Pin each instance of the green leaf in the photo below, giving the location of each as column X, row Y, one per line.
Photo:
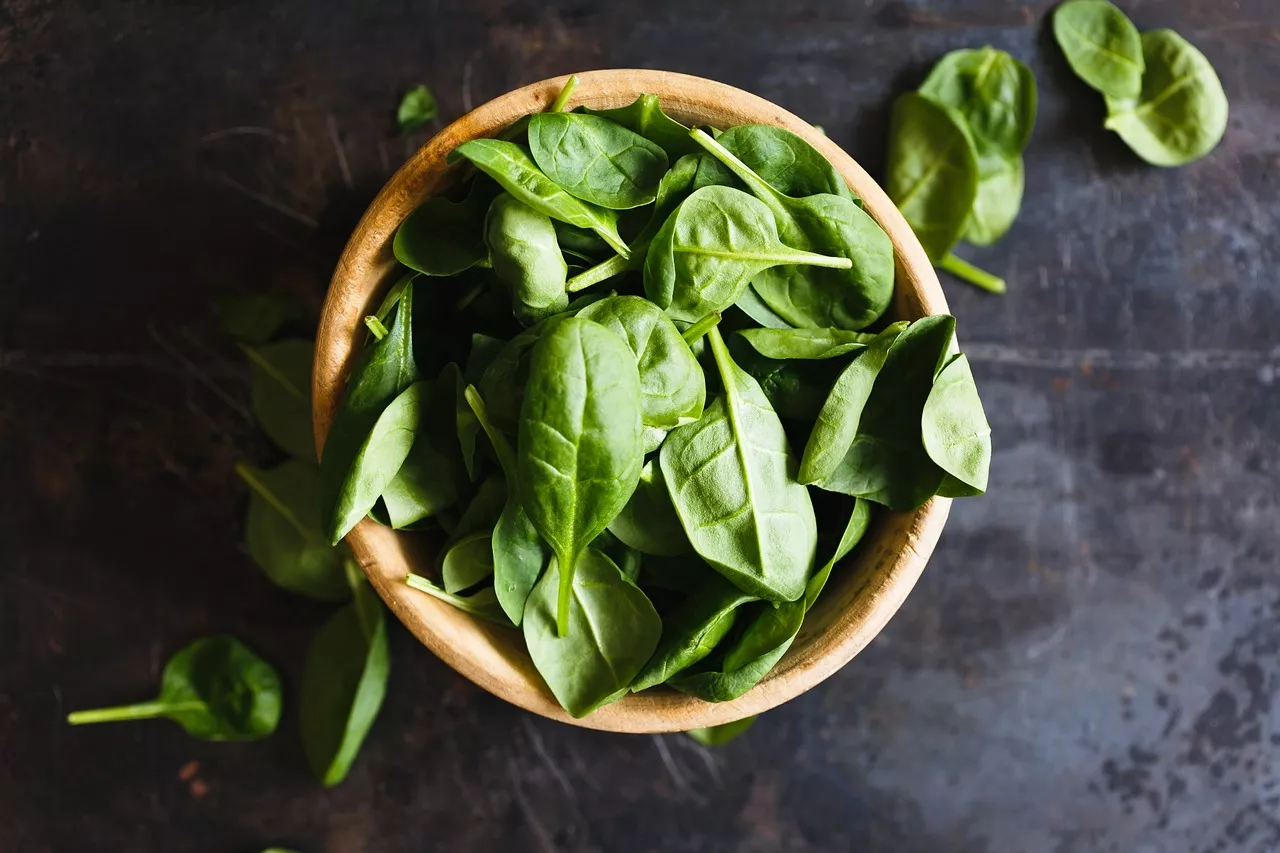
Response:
column 1102, row 46
column 731, row 476
column 417, row 107
column 644, row 115
column 256, row 318
column 805, row 343
column 468, row 562
column 282, row 531
column 343, row 685
column 513, row 168
column 597, row 160
column 954, row 427
column 363, row 452
column 483, row 604
column 715, row 243
column 672, row 385
column 579, row 453
column 720, row 735
column 525, row 255
column 784, row 160
column 998, row 201
column 933, row 171
column 692, row 631
column 612, row 630
column 216, row 689
column 1181, row 113
column 280, row 394
column 648, row 523
column 444, row 237
column 994, row 94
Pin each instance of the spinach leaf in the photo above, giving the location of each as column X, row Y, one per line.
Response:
column 467, row 562
column 999, row 198
column 443, row 237
column 280, row 394
column 255, row 318
column 717, row 240
column 644, row 115
column 512, row 167
column 1102, row 46
column 887, row 462
column 720, row 735
column 349, row 479
column 483, row 604
column 343, row 685
column 993, row 93
column 672, row 385
column 580, row 241
column 1181, row 114
column 502, row 384
column 282, row 531
column 597, row 160
column 954, row 427
column 433, row 476
column 731, row 476
column 483, row 511
column 754, row 307
column 611, row 630
column 578, row 453
column 784, row 160
column 648, row 523
column 854, row 530
column 933, row 171
column 849, row 296
column 837, row 422
column 518, row 553
column 417, row 107
column 216, row 689
column 796, row 389
column 805, row 343
column 692, row 631
column 525, row 255
column 484, row 349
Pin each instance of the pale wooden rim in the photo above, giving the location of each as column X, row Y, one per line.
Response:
column 863, row 594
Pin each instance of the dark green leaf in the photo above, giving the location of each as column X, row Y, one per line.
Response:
column 597, row 160
column 644, row 115
column 444, row 237
column 784, row 160
column 813, row 344
column 992, row 92
column 256, row 318
column 417, row 107
column 692, row 631
column 954, row 427
column 525, row 255
column 648, row 523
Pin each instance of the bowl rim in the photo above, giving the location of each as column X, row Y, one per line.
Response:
column 881, row 580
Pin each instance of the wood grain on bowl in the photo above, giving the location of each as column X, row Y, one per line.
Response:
column 863, row 593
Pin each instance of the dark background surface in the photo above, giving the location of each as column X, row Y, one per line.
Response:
column 1089, row 663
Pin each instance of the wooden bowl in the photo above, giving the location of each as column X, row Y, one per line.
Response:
column 863, row 593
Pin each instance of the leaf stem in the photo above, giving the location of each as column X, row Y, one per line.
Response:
column 966, row 271
column 502, row 447
column 251, row 479
column 564, row 597
column 139, row 711
column 600, row 272
column 562, row 99
column 470, row 295
column 376, row 328
column 700, row 328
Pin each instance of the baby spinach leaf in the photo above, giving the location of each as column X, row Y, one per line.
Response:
column 648, row 523
column 417, row 107
column 692, row 631
column 720, row 735
column 512, row 167
column 433, row 475
column 518, row 552
column 1102, row 46
column 993, row 93
column 611, row 630
column 1181, row 114
column 716, row 242
column 754, row 307
column 848, row 296
column 837, row 422
column 467, row 562
column 581, row 241
column 444, row 237
column 579, row 453
column 504, row 379
column 597, row 160
column 282, row 531
column 280, row 394
column 784, row 160
column 854, row 530
column 999, row 198
column 672, row 385
column 524, row 253
column 805, row 343
column 796, row 389
column 731, row 479
column 386, row 370
column 887, row 462
column 343, row 685
column 216, row 689
column 933, row 171
column 483, row 510
column 483, row 604
column 954, row 427
column 644, row 115
column 255, row 318
column 484, row 349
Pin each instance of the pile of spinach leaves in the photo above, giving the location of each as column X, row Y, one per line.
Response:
column 639, row 383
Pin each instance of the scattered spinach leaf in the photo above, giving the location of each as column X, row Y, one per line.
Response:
column 417, row 107
column 1102, row 46
column 722, row 734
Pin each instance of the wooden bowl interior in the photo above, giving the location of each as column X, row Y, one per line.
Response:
column 864, row 592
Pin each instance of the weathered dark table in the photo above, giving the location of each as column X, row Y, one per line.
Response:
column 1089, row 664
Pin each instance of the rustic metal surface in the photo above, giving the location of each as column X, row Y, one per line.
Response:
column 1089, row 663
